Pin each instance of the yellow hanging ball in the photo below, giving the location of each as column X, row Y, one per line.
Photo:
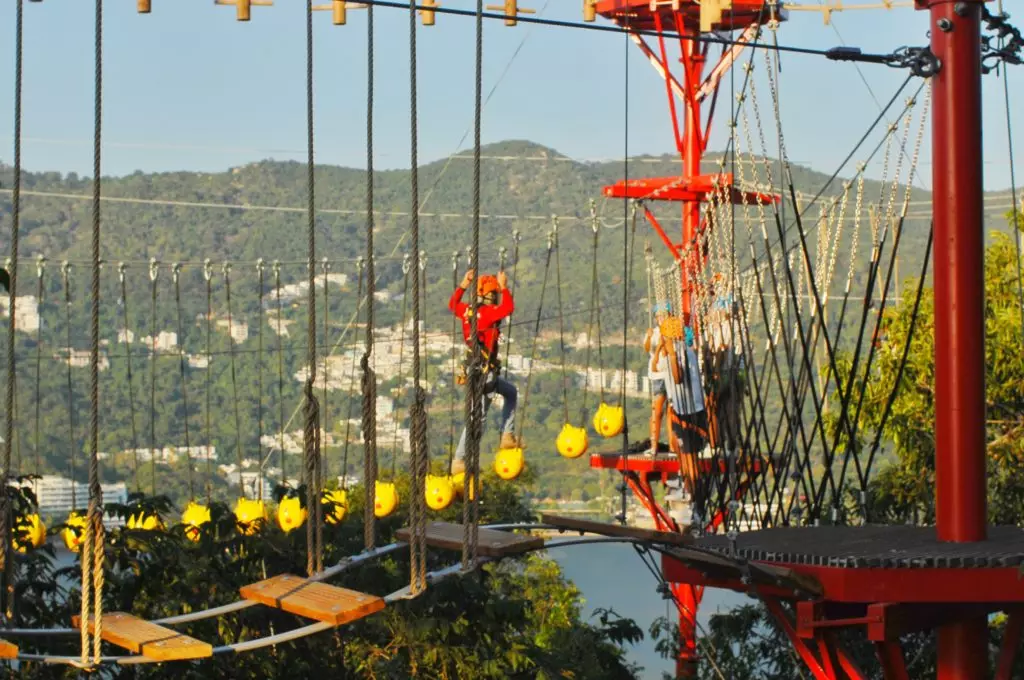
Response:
column 440, row 492
column 290, row 513
column 459, row 482
column 336, row 512
column 385, row 499
column 509, row 463
column 195, row 516
column 145, row 521
column 572, row 441
column 250, row 516
column 30, row 532
column 74, row 532
column 608, row 420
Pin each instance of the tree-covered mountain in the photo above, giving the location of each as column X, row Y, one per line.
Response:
column 259, row 211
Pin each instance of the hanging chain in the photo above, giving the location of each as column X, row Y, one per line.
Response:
column 182, row 361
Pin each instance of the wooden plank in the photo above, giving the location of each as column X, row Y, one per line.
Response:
column 8, row 650
column 312, row 599
column 490, row 542
column 608, row 529
column 152, row 641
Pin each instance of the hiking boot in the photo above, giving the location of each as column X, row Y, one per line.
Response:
column 508, row 441
column 458, row 466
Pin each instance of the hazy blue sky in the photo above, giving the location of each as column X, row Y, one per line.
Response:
column 188, row 87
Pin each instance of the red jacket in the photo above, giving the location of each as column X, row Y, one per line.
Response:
column 489, row 316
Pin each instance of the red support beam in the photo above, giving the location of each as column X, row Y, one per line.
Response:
column 890, row 657
column 957, row 189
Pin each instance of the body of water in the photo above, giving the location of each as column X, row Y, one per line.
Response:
column 611, row 576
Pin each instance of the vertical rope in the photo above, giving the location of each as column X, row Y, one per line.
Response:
column 65, row 273
column 312, row 429
column 625, row 274
column 280, row 371
column 153, row 273
column 561, row 320
column 41, row 291
column 208, row 275
column 470, row 509
column 259, row 378
column 369, row 376
column 5, row 506
column 92, row 565
column 131, row 385
column 175, row 274
column 226, row 270
column 351, row 388
column 516, row 237
column 418, row 546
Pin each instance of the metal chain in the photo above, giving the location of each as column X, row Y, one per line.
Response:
column 65, row 271
column 226, row 271
column 280, row 370
column 208, row 276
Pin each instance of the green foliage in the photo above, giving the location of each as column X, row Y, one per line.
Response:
column 516, row 618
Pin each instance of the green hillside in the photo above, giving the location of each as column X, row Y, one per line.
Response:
column 257, row 211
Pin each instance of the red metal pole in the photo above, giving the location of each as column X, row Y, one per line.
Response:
column 960, row 490
column 693, row 150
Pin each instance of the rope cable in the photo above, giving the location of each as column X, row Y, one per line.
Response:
column 561, row 321
column 259, row 376
column 153, row 273
column 369, row 376
column 351, row 391
column 419, row 463
column 128, row 363
column 182, row 361
column 474, row 407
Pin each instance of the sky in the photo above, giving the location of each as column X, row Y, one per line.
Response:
column 189, row 88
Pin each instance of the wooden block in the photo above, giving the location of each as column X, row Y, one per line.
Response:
column 313, row 599
column 608, row 529
column 8, row 650
column 490, row 542
column 152, row 641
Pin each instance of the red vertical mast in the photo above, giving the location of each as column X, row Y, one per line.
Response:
column 960, row 490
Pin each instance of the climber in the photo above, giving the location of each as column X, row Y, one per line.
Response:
column 657, row 373
column 494, row 303
column 725, row 367
column 686, row 394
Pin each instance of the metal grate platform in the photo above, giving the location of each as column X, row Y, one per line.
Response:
column 886, row 547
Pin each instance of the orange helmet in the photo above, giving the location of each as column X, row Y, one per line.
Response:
column 486, row 284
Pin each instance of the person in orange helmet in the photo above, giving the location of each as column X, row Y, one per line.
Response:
column 494, row 303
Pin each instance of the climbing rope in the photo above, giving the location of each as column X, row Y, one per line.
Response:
column 536, row 335
column 454, row 354
column 182, row 362
column 280, row 371
column 6, row 520
column 153, row 273
column 40, row 292
column 474, row 391
column 311, row 439
column 65, row 273
column 325, row 417
column 351, row 389
column 369, row 375
column 128, row 362
column 561, row 320
column 595, row 301
column 92, row 550
column 208, row 277
column 259, row 378
column 226, row 271
column 418, row 425
column 396, row 443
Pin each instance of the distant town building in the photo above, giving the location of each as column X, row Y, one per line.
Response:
column 57, row 497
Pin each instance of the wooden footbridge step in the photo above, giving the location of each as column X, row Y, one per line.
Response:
column 152, row 641
column 490, row 542
column 608, row 529
column 312, row 599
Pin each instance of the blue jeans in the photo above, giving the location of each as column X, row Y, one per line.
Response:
column 508, row 411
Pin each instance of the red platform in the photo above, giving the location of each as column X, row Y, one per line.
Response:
column 642, row 14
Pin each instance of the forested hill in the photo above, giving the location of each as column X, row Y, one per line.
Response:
column 257, row 210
